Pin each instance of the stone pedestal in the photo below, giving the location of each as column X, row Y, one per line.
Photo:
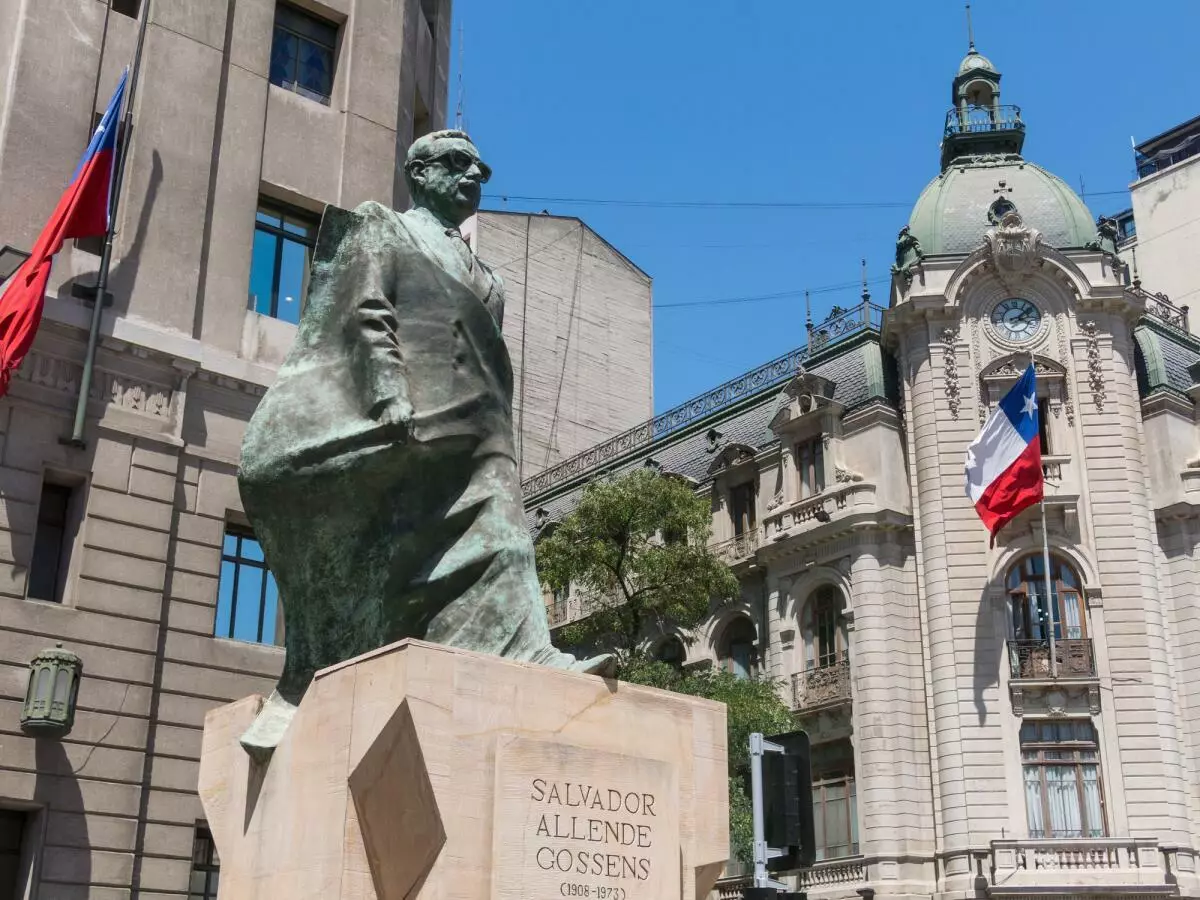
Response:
column 424, row 772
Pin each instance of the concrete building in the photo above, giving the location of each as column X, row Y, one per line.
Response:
column 578, row 323
column 1162, row 229
column 251, row 115
column 972, row 737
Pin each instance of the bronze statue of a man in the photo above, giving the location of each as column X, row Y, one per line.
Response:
column 379, row 470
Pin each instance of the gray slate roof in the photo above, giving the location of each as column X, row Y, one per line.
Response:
column 854, row 366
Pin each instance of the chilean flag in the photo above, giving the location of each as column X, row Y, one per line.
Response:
column 1004, row 464
column 83, row 211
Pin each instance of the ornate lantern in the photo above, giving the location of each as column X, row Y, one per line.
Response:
column 49, row 709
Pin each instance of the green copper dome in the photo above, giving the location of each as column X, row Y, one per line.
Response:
column 951, row 215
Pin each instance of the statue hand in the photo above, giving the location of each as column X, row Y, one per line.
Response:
column 395, row 413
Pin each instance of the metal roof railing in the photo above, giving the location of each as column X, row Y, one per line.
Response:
column 840, row 324
column 983, row 119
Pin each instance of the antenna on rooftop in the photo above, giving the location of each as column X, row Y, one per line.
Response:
column 970, row 31
column 458, row 109
column 866, row 293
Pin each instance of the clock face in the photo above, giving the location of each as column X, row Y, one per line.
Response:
column 1017, row 320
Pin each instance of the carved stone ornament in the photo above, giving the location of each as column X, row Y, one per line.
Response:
column 950, row 363
column 111, row 389
column 775, row 502
column 845, row 476
column 1013, row 247
column 1095, row 364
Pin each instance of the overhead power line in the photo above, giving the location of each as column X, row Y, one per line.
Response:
column 731, row 204
column 721, row 301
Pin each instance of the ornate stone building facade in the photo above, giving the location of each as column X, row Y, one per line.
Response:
column 971, row 736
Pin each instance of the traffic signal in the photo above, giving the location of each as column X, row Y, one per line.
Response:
column 788, row 804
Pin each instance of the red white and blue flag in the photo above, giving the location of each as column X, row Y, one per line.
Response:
column 83, row 211
column 1004, row 463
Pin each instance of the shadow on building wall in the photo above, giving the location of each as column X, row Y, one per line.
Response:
column 123, row 272
column 989, row 648
column 58, row 793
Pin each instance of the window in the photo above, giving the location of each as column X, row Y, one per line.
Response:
column 739, row 653
column 828, row 629
column 835, row 800
column 742, row 508
column 206, row 867
column 52, row 540
column 671, row 652
column 302, row 53
column 283, row 242
column 12, row 876
column 810, row 462
column 127, row 7
column 1044, row 425
column 247, row 597
column 1027, row 590
column 1063, row 794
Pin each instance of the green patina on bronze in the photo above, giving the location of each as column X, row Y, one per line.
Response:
column 379, row 470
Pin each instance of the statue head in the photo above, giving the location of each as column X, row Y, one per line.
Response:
column 445, row 175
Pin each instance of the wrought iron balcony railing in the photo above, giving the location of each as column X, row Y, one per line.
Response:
column 1031, row 659
column 822, row 686
column 983, row 119
column 840, row 325
column 1159, row 306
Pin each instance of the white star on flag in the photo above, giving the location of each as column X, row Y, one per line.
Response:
column 1030, row 405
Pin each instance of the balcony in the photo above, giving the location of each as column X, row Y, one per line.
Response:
column 1084, row 865
column 574, row 608
column 830, row 877
column 1031, row 659
column 842, row 499
column 825, row 686
column 983, row 120
column 737, row 549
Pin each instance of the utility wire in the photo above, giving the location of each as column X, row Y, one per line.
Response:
column 721, row 301
column 731, row 204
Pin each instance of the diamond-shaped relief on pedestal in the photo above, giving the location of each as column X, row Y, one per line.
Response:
column 397, row 810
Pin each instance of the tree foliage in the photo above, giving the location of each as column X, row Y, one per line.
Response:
column 636, row 548
column 752, row 704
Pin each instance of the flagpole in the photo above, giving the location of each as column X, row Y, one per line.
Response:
column 89, row 359
column 1046, row 551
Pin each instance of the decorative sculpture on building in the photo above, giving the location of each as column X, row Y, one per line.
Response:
column 908, row 253
column 1107, row 234
column 1012, row 245
column 379, row 470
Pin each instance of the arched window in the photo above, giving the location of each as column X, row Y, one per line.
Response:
column 1030, row 611
column 824, row 628
column 672, row 652
column 738, row 652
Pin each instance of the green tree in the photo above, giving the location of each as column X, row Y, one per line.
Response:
column 636, row 548
column 752, row 704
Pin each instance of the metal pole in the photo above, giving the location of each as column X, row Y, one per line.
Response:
column 89, row 359
column 1049, row 594
column 756, row 802
column 1046, row 552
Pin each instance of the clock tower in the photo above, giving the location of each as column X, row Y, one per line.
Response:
column 1000, row 264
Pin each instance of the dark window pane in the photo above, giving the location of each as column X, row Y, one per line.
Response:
column 251, row 549
column 126, row 7
column 284, row 52
column 225, row 600
column 293, row 280
column 262, row 272
column 247, row 612
column 302, row 52
column 270, row 611
column 48, row 563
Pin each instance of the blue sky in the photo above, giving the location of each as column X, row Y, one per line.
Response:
column 783, row 101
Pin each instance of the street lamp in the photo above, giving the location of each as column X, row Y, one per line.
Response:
column 49, row 709
column 10, row 260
